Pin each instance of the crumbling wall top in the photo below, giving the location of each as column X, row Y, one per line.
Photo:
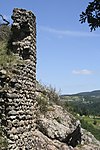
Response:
column 24, row 33
column 19, row 13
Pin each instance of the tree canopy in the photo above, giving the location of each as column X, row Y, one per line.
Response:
column 92, row 15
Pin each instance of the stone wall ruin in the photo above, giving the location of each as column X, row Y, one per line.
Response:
column 18, row 84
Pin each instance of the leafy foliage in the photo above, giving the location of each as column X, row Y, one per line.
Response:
column 83, row 104
column 91, row 128
column 92, row 15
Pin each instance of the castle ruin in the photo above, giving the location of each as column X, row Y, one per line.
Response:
column 17, row 98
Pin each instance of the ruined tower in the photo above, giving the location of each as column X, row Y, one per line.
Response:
column 18, row 100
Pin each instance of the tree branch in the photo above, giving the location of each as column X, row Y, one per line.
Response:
column 7, row 22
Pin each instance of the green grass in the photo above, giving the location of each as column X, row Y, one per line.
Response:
column 88, row 124
column 91, row 121
column 6, row 56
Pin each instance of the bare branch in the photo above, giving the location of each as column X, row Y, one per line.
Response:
column 7, row 22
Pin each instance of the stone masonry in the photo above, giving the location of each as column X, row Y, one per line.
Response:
column 18, row 84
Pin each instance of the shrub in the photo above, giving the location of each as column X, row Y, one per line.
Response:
column 47, row 96
column 5, row 57
column 5, row 32
column 43, row 104
column 89, row 127
column 53, row 95
column 50, row 92
column 94, row 122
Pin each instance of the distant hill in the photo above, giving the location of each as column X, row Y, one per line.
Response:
column 92, row 93
column 84, row 102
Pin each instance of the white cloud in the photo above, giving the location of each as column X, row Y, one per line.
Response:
column 61, row 33
column 82, row 72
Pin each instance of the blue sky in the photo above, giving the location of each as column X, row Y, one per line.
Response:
column 67, row 52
